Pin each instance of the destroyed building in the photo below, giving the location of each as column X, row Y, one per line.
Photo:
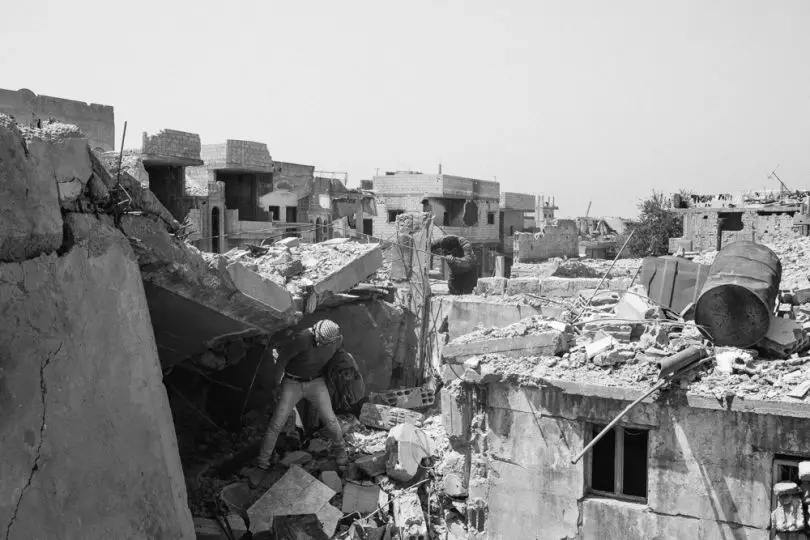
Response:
column 96, row 121
column 512, row 219
column 461, row 206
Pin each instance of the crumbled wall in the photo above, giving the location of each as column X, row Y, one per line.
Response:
column 97, row 122
column 559, row 238
column 701, row 229
column 172, row 143
column 696, row 488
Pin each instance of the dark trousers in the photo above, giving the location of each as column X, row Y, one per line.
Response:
column 463, row 283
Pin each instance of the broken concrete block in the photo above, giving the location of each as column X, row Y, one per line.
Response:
column 295, row 493
column 331, row 479
column 545, row 343
column 788, row 516
column 385, row 417
column 260, row 288
column 654, row 335
column 64, row 160
column 635, row 306
column 408, row 516
column 351, row 274
column 801, row 296
column 290, row 242
column 614, row 357
column 523, row 286
column 456, row 414
column 407, row 398
column 372, row 465
column 455, row 472
column 363, row 498
column 566, row 287
column 299, row 457
column 30, row 217
column 599, row 346
column 406, row 447
column 492, row 285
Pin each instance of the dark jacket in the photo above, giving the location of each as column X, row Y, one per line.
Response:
column 301, row 357
column 458, row 253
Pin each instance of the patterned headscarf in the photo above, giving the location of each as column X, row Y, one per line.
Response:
column 326, row 332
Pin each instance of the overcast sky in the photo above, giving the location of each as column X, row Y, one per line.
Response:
column 584, row 100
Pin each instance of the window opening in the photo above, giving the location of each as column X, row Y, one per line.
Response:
column 392, row 215
column 618, row 463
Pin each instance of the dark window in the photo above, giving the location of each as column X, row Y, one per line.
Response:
column 729, row 221
column 368, row 226
column 470, row 214
column 618, row 463
column 275, row 213
column 392, row 215
column 490, row 218
column 292, row 214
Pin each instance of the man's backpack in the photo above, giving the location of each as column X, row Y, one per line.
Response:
column 344, row 381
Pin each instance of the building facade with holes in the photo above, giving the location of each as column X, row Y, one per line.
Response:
column 461, row 206
column 680, row 466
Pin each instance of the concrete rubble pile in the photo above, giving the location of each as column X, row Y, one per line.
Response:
column 384, row 493
column 307, row 272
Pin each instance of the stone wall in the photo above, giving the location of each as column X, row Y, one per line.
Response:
column 558, row 238
column 89, row 449
column 97, row 122
column 696, row 488
column 524, row 202
column 172, row 143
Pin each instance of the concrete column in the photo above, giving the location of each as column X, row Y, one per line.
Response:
column 500, row 265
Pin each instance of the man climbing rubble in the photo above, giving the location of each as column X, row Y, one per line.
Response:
column 458, row 253
column 304, row 361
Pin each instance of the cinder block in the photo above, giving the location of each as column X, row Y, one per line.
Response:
column 408, row 516
column 289, row 242
column 407, row 398
column 385, row 417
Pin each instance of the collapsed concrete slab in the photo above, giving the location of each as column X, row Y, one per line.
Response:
column 89, row 449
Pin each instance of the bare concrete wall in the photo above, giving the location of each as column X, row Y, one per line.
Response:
column 698, row 487
column 89, row 449
column 558, row 239
column 97, row 122
column 701, row 228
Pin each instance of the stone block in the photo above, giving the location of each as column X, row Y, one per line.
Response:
column 385, row 417
column 523, row 285
column 492, row 285
column 635, row 307
column 30, row 218
column 545, row 343
column 260, row 288
column 567, row 287
column 409, row 519
column 407, row 398
column 456, row 414
column 351, row 274
column 331, row 479
column 362, row 498
column 405, row 448
column 295, row 493
column 614, row 357
column 373, row 465
column 455, row 472
column 599, row 346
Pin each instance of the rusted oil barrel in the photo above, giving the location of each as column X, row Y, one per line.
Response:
column 739, row 294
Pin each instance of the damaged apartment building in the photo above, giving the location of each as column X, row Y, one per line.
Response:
column 713, row 221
